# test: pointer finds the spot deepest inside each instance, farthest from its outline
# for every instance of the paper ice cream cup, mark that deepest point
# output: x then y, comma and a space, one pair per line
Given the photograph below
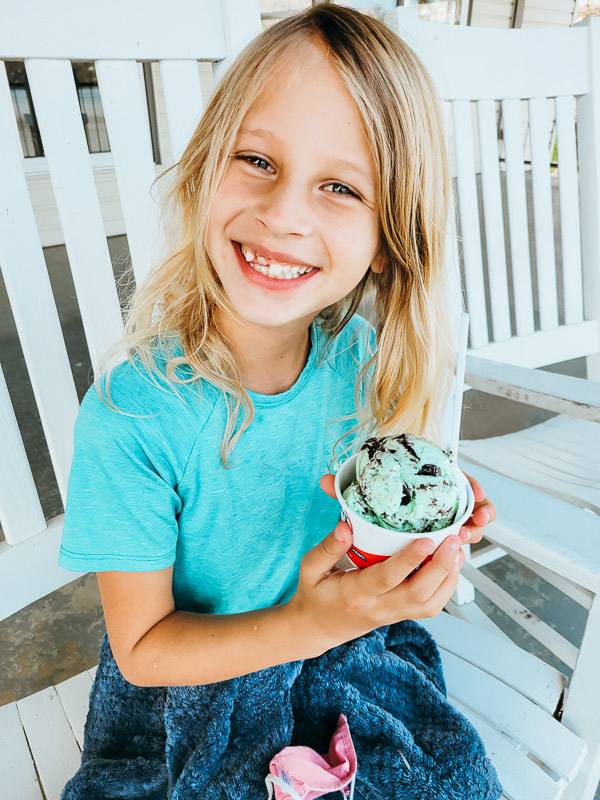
370, 543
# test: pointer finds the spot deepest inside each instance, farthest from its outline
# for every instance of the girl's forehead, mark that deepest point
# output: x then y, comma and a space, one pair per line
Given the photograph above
304, 84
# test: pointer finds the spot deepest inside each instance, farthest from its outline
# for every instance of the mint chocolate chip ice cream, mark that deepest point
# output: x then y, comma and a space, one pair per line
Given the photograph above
404, 483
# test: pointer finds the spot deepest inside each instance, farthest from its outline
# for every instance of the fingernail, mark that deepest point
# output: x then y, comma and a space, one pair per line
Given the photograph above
455, 545
458, 558
485, 517
426, 547
467, 534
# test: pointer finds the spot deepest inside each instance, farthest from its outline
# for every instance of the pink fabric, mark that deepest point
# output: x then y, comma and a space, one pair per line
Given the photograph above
310, 775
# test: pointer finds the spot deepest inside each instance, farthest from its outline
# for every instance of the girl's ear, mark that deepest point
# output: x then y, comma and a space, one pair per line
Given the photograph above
377, 263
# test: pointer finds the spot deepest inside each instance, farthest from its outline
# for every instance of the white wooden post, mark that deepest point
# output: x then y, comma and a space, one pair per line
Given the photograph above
588, 130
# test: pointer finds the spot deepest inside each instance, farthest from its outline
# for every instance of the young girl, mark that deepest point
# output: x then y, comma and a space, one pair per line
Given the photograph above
200, 490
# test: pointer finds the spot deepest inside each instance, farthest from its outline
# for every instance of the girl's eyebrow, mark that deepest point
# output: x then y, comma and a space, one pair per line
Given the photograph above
337, 162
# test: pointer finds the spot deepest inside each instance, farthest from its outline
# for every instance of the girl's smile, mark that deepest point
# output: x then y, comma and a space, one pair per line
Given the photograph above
272, 274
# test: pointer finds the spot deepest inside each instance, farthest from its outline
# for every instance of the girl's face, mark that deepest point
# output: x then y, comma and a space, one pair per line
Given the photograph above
300, 191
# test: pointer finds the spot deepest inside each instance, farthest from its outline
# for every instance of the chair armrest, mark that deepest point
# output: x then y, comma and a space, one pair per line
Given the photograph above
561, 394
551, 532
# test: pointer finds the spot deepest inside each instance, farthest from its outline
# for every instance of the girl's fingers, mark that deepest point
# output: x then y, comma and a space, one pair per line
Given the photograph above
424, 583
471, 534
444, 592
477, 488
380, 578
327, 484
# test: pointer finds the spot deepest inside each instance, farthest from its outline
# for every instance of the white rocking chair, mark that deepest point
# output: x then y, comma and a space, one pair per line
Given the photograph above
513, 698
545, 480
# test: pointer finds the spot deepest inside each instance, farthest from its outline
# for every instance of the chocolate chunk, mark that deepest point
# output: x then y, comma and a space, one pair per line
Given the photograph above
430, 469
403, 439
406, 496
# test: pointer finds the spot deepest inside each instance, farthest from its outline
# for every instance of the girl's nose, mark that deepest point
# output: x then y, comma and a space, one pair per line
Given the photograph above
285, 209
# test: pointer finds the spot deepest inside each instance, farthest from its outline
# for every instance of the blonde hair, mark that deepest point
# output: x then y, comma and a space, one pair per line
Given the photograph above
401, 111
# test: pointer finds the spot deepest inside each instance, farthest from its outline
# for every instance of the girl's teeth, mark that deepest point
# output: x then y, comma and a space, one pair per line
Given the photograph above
272, 269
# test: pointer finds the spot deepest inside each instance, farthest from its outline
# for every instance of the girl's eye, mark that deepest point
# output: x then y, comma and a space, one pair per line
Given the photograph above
256, 160
252, 159
347, 193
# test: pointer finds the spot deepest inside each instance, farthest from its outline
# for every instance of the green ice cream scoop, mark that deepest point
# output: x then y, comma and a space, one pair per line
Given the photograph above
404, 483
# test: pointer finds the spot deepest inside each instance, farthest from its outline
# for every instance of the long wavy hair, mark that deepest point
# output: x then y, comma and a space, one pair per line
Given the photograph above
405, 381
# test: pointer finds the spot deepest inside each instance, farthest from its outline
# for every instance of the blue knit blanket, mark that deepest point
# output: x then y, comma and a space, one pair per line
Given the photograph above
214, 742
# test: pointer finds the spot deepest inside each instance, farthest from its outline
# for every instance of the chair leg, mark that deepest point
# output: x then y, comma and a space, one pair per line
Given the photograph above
582, 707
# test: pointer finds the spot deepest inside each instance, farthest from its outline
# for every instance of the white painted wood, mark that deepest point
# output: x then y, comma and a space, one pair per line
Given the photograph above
517, 717
59, 118
44, 721
542, 214
35, 315
17, 772
21, 513
543, 63
471, 613
469, 223
580, 596
74, 697
559, 393
137, 35
242, 23
588, 136
521, 779
582, 707
499, 657
517, 216
487, 555
494, 220
569, 211
517, 612
560, 456
129, 133
183, 101
30, 570
533, 523
558, 344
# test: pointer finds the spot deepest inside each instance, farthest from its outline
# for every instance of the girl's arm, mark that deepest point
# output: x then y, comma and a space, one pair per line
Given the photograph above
155, 645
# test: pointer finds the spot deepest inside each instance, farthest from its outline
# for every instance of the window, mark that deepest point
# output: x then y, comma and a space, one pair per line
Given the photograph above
90, 105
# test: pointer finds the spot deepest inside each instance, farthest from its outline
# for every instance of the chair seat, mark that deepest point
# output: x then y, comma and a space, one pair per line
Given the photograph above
510, 697
560, 456
41, 736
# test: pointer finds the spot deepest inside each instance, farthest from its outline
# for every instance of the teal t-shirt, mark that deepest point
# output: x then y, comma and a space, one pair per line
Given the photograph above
147, 493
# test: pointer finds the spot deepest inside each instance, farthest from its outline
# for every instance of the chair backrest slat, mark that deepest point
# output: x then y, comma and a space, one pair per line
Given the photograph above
542, 213
517, 216
20, 508
469, 224
569, 210
184, 103
68, 159
126, 116
34, 312
588, 135
493, 218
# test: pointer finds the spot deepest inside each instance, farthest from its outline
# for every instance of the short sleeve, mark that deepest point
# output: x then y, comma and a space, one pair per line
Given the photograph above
122, 505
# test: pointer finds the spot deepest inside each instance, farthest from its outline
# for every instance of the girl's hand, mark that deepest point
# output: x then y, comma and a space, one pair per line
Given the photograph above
337, 606
484, 512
